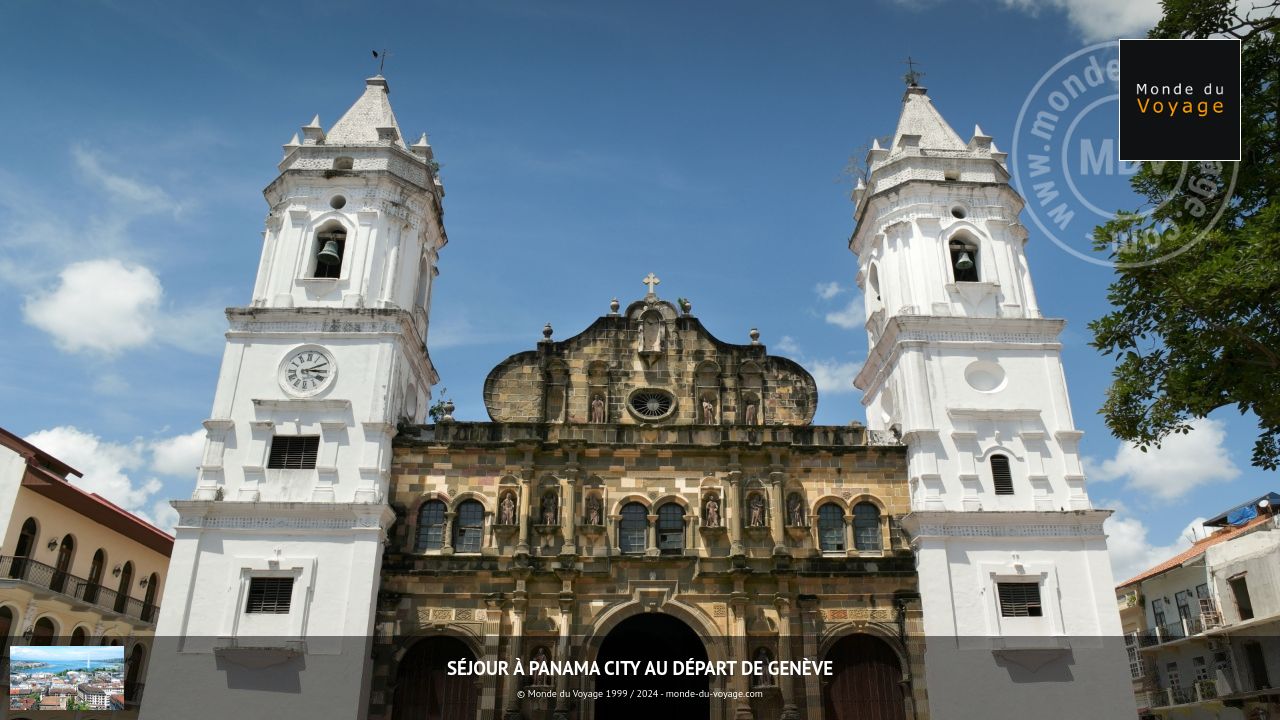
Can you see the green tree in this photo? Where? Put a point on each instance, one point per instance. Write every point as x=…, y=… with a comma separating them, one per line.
x=1200, y=330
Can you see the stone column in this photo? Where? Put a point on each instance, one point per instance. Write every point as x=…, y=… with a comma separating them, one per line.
x=777, y=518
x=511, y=683
x=741, y=682
x=446, y=542
x=569, y=511
x=809, y=629
x=652, y=547
x=522, y=548
x=562, y=650
x=849, y=548
x=730, y=510
x=785, y=680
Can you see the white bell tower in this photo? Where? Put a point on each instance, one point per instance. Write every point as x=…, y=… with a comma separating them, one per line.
x=1015, y=580
x=274, y=574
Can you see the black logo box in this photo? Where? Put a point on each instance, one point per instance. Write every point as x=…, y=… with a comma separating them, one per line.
x=1186, y=68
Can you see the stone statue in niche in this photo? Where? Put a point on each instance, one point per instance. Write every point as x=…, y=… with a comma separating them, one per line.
x=654, y=333
x=756, y=516
x=795, y=508
x=549, y=514
x=597, y=409
x=764, y=677
x=708, y=412
x=594, y=510
x=539, y=665
x=711, y=512
x=749, y=412
x=507, y=510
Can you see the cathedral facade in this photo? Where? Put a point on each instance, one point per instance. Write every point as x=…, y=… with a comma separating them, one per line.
x=648, y=491
x=643, y=490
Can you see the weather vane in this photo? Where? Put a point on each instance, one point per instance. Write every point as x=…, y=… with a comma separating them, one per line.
x=381, y=57
x=913, y=75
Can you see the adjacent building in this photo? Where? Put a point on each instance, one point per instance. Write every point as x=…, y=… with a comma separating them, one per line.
x=1202, y=628
x=76, y=569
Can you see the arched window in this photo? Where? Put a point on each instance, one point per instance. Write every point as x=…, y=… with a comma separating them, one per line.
x=122, y=595
x=1001, y=477
x=95, y=576
x=866, y=526
x=62, y=566
x=964, y=259
x=873, y=281
x=430, y=526
x=6, y=627
x=671, y=529
x=468, y=527
x=831, y=528
x=331, y=241
x=79, y=636
x=633, y=529
x=22, y=551
x=133, y=672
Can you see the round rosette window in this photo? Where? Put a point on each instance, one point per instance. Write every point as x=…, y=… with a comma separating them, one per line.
x=650, y=404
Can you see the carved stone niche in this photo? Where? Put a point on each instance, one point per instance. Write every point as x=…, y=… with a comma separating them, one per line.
x=712, y=514
x=755, y=518
x=593, y=511
x=653, y=335
x=507, y=519
x=796, y=516
x=556, y=393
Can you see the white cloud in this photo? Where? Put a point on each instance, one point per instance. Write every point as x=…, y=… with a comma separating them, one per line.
x=120, y=472
x=149, y=198
x=1180, y=464
x=1132, y=552
x=850, y=317
x=1098, y=20
x=178, y=455
x=107, y=466
x=833, y=377
x=100, y=305
x=787, y=345
x=828, y=290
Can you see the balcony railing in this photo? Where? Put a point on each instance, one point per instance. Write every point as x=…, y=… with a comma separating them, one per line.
x=1200, y=691
x=77, y=588
x=1181, y=628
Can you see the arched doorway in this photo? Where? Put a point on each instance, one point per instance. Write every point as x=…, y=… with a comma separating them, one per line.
x=132, y=674
x=6, y=627
x=644, y=638
x=42, y=632
x=95, y=576
x=22, y=551
x=424, y=688
x=62, y=566
x=867, y=684
x=122, y=594
x=149, y=602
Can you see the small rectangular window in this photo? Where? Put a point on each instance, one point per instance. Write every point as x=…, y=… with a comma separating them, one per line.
x=1001, y=477
x=269, y=595
x=1019, y=599
x=294, y=452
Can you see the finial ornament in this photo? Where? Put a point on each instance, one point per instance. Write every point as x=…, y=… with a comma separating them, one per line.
x=546, y=332
x=913, y=75
x=613, y=306
x=755, y=336
x=651, y=280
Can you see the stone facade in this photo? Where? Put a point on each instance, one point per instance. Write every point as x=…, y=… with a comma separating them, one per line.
x=556, y=566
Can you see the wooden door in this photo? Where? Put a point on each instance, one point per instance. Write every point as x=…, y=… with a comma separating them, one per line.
x=867, y=684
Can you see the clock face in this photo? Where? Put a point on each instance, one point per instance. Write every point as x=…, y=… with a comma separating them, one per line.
x=307, y=371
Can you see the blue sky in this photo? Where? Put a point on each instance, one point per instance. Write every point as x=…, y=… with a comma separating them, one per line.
x=582, y=146
x=67, y=654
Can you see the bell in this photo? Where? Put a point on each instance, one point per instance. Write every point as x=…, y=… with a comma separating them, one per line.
x=964, y=262
x=329, y=255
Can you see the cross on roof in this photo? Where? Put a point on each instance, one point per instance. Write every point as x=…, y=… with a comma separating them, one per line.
x=651, y=280
x=913, y=76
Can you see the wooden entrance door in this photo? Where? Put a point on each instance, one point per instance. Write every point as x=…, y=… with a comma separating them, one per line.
x=867, y=684
x=424, y=688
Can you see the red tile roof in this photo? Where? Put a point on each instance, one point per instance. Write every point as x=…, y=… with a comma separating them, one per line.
x=1196, y=550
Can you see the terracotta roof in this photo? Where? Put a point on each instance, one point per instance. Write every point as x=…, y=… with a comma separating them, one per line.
x=1196, y=550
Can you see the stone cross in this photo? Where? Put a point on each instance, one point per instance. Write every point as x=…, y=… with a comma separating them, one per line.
x=651, y=280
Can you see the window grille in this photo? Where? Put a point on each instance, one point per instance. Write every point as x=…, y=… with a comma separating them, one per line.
x=294, y=452
x=270, y=595
x=1019, y=599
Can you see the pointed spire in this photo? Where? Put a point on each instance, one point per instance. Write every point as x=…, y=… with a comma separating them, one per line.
x=292, y=145
x=875, y=144
x=977, y=131
x=312, y=133
x=920, y=124
x=370, y=120
x=422, y=148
